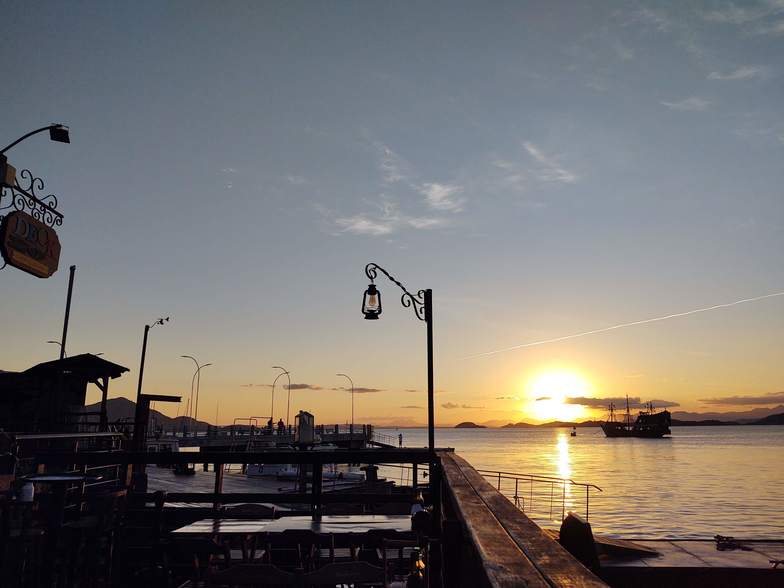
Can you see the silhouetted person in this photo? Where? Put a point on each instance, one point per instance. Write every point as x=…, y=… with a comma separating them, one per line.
x=281, y=427
x=400, y=440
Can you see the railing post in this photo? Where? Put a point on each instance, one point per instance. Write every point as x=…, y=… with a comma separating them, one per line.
x=516, y=497
x=499, y=481
x=587, y=498
x=563, y=502
x=552, y=486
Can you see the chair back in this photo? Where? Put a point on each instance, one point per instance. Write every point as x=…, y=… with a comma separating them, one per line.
x=253, y=575
x=352, y=572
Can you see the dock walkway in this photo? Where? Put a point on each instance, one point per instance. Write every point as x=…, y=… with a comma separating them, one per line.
x=511, y=548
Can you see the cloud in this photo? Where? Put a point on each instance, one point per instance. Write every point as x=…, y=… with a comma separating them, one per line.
x=763, y=18
x=296, y=180
x=442, y=196
x=651, y=18
x=692, y=104
x=623, y=52
x=745, y=72
x=360, y=389
x=467, y=406
x=771, y=398
x=507, y=398
x=393, y=167
x=388, y=220
x=542, y=398
x=413, y=406
x=410, y=390
x=619, y=401
x=549, y=169
x=450, y=405
x=302, y=387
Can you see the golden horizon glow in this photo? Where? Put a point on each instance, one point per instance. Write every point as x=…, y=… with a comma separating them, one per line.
x=548, y=391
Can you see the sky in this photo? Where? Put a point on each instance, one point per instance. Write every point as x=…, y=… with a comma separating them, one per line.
x=547, y=168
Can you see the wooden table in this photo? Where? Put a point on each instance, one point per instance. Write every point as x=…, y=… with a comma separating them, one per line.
x=327, y=524
x=342, y=524
x=225, y=527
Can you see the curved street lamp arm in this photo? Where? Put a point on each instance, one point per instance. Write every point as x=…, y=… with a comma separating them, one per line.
x=31, y=133
x=407, y=299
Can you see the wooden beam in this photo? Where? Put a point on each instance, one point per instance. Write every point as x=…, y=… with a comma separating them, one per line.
x=551, y=560
x=501, y=560
x=283, y=498
x=283, y=456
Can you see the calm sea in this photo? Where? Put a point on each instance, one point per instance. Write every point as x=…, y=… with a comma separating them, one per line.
x=700, y=482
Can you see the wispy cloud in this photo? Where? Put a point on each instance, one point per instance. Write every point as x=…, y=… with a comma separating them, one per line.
x=759, y=18
x=389, y=219
x=413, y=406
x=360, y=390
x=507, y=398
x=650, y=18
x=443, y=196
x=693, y=104
x=296, y=180
x=745, y=72
x=771, y=398
x=450, y=405
x=393, y=167
x=548, y=168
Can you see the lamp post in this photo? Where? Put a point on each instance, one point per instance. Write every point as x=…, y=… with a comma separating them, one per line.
x=272, y=408
x=147, y=328
x=422, y=303
x=288, y=402
x=352, y=400
x=57, y=132
x=197, y=378
x=62, y=349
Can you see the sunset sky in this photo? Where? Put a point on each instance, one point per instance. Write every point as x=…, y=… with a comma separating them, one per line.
x=547, y=168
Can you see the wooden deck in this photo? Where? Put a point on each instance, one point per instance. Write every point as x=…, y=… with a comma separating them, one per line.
x=511, y=549
x=698, y=563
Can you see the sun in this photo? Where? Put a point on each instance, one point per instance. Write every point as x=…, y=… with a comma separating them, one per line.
x=548, y=393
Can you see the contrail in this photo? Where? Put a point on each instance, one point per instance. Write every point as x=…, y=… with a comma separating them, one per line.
x=624, y=325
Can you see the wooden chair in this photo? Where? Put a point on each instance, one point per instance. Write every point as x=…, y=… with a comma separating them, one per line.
x=253, y=575
x=357, y=573
x=195, y=559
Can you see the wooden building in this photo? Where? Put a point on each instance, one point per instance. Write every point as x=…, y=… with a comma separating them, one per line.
x=50, y=397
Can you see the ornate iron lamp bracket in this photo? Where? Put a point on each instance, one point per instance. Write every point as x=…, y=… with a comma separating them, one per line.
x=415, y=301
x=27, y=196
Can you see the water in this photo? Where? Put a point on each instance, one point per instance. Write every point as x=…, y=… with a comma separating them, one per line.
x=700, y=482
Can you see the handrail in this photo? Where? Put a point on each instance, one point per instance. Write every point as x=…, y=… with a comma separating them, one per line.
x=512, y=475
x=519, y=500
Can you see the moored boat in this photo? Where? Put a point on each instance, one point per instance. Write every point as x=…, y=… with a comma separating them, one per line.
x=648, y=424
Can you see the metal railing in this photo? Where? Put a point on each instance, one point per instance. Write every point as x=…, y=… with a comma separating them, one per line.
x=390, y=440
x=544, y=493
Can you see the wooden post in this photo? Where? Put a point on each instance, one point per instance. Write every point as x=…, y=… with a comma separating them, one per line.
x=414, y=480
x=315, y=508
x=218, y=485
x=103, y=386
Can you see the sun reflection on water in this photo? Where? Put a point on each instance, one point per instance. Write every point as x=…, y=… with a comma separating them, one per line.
x=563, y=463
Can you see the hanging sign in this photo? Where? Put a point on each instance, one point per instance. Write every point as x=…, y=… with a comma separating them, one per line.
x=29, y=244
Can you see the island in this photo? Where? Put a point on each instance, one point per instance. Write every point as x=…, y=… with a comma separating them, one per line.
x=469, y=425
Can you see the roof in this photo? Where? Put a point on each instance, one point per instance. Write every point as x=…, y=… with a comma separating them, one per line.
x=88, y=365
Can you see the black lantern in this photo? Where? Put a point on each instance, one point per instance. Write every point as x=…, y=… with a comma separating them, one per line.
x=371, y=303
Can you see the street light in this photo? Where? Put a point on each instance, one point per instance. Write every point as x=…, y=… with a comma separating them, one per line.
x=138, y=441
x=63, y=353
x=272, y=408
x=352, y=400
x=197, y=378
x=422, y=303
x=57, y=132
x=288, y=402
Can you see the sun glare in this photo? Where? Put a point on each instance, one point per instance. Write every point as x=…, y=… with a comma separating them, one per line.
x=548, y=394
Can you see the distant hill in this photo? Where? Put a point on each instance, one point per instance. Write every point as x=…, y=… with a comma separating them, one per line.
x=740, y=417
x=552, y=425
x=122, y=409
x=469, y=425
x=705, y=423
x=774, y=419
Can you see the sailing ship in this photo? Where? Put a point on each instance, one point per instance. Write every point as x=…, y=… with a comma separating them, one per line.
x=648, y=424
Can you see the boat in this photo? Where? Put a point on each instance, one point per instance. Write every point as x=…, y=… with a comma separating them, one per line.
x=648, y=424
